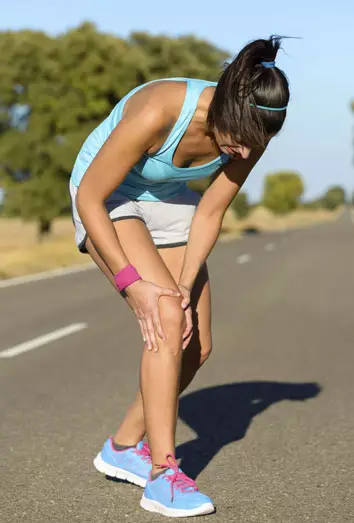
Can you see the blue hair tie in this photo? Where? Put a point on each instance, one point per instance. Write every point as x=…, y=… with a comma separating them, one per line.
x=269, y=108
x=268, y=65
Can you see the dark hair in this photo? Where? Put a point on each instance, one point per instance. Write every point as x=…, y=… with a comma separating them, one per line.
x=244, y=84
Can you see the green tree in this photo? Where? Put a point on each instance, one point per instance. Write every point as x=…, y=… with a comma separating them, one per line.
x=177, y=57
x=54, y=91
x=282, y=192
x=334, y=197
x=240, y=205
x=29, y=69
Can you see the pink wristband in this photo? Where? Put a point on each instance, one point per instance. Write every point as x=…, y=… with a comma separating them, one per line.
x=126, y=277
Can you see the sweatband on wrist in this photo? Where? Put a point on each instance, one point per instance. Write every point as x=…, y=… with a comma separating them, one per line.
x=126, y=277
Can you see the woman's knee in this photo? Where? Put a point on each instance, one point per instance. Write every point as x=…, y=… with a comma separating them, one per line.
x=172, y=317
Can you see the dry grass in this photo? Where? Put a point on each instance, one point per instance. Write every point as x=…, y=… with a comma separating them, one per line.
x=20, y=252
x=264, y=220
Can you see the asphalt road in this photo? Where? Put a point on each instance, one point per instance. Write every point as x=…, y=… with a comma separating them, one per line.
x=267, y=427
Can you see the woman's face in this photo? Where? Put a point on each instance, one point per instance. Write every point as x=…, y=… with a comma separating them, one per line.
x=234, y=149
x=230, y=147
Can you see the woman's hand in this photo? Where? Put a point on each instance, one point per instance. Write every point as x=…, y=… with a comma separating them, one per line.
x=186, y=306
x=142, y=297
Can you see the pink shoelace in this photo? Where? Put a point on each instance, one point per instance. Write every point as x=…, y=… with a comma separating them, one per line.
x=144, y=453
x=178, y=480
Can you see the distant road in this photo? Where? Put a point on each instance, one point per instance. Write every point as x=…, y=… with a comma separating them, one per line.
x=268, y=425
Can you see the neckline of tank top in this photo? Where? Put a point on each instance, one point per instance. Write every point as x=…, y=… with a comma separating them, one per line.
x=221, y=159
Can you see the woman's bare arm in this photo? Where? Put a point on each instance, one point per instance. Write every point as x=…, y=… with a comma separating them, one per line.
x=207, y=221
x=139, y=130
x=134, y=135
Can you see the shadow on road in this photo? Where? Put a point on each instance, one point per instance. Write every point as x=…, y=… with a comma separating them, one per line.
x=220, y=415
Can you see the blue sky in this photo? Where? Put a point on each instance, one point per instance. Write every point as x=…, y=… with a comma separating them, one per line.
x=317, y=140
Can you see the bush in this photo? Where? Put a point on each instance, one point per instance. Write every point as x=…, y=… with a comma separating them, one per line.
x=241, y=205
x=334, y=197
x=282, y=192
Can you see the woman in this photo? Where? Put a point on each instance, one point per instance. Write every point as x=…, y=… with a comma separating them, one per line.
x=151, y=236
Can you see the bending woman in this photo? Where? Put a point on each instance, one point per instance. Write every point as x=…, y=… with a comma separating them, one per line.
x=151, y=236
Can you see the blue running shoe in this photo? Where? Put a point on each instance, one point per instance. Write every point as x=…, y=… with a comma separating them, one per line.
x=174, y=494
x=133, y=464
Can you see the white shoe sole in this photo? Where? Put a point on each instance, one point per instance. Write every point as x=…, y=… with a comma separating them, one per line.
x=116, y=472
x=154, y=506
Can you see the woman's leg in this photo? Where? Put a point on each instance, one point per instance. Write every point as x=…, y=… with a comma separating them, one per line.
x=200, y=346
x=159, y=371
x=133, y=426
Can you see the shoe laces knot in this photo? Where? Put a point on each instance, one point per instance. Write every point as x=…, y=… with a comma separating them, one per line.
x=178, y=480
x=144, y=453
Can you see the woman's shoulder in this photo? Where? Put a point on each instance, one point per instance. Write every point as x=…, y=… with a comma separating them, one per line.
x=164, y=97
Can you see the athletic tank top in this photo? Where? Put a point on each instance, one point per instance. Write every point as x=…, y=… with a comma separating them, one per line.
x=154, y=177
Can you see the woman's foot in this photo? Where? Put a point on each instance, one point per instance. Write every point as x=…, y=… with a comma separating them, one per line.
x=174, y=494
x=132, y=464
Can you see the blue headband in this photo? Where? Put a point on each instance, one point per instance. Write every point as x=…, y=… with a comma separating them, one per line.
x=268, y=65
x=269, y=108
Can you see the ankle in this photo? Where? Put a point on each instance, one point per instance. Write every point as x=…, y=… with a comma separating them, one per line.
x=122, y=446
x=156, y=471
x=127, y=439
x=129, y=435
x=164, y=464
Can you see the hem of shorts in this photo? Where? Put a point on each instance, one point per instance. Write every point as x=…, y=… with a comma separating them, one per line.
x=82, y=247
x=132, y=217
x=170, y=245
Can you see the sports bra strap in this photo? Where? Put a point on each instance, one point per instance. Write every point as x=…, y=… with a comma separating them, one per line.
x=194, y=89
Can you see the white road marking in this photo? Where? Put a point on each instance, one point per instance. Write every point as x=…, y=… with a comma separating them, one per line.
x=244, y=258
x=269, y=247
x=45, y=275
x=352, y=215
x=42, y=340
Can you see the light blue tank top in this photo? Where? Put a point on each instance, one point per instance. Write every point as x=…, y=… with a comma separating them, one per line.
x=154, y=177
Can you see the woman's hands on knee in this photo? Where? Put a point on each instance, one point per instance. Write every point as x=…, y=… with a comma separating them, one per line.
x=142, y=297
x=186, y=306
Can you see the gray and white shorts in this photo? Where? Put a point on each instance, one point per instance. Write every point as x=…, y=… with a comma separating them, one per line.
x=168, y=221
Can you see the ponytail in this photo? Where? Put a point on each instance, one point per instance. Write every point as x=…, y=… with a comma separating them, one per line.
x=250, y=99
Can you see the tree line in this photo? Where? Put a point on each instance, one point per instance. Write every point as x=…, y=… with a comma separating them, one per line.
x=282, y=193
